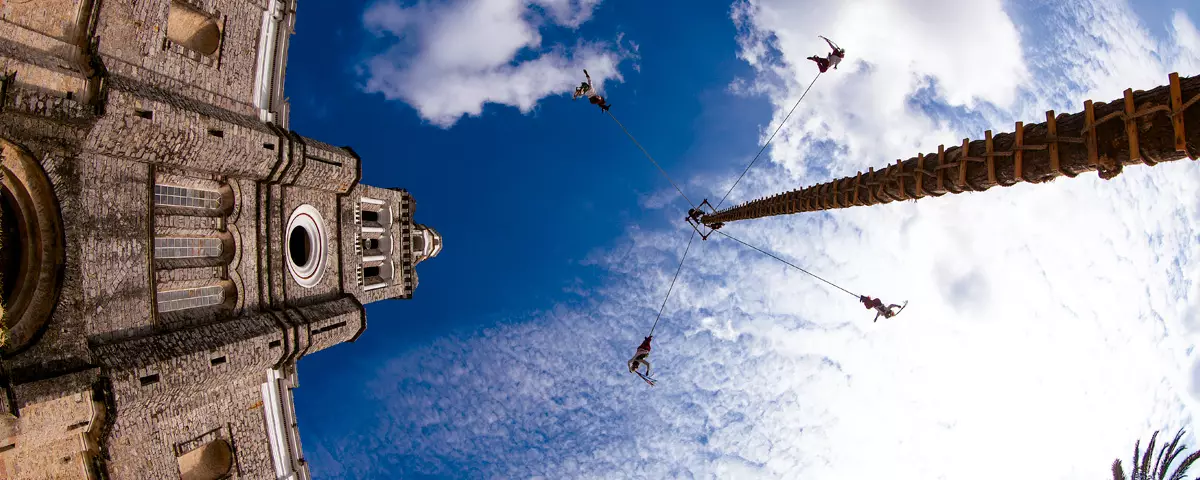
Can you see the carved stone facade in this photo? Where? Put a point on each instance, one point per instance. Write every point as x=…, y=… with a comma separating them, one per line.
x=170, y=247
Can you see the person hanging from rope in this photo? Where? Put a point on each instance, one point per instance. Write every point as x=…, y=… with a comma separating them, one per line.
x=639, y=358
x=694, y=214
x=874, y=303
x=594, y=98
x=832, y=60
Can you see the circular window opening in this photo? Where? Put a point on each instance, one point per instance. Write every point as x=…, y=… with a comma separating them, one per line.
x=299, y=245
x=11, y=254
x=306, y=247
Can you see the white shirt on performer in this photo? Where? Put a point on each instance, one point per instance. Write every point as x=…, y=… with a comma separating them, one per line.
x=834, y=59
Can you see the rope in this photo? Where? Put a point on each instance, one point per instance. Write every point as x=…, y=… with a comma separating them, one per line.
x=855, y=295
x=672, y=287
x=772, y=137
x=664, y=172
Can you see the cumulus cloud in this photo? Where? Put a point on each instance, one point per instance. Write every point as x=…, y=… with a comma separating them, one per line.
x=1048, y=327
x=449, y=59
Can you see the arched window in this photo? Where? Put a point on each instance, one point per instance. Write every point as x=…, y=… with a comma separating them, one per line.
x=193, y=29
x=210, y=461
x=369, y=216
x=173, y=196
x=174, y=247
x=31, y=245
x=188, y=298
x=419, y=244
x=378, y=276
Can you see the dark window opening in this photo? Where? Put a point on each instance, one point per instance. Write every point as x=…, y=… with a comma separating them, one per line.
x=149, y=379
x=275, y=344
x=146, y=114
x=371, y=272
x=70, y=95
x=269, y=146
x=217, y=361
x=370, y=216
x=77, y=426
x=216, y=133
x=298, y=246
x=329, y=327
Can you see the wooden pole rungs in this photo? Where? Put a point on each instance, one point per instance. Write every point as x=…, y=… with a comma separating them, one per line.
x=857, y=185
x=941, y=173
x=870, y=191
x=991, y=161
x=962, y=163
x=1089, y=126
x=1131, y=131
x=1177, y=113
x=1052, y=134
x=918, y=191
x=1018, y=150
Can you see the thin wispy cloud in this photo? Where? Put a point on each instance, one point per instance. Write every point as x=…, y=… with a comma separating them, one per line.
x=1048, y=325
x=449, y=59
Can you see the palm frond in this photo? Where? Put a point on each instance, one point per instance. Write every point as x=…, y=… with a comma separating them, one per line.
x=1171, y=451
x=1144, y=469
x=1118, y=472
x=1183, y=467
x=1137, y=455
x=1162, y=452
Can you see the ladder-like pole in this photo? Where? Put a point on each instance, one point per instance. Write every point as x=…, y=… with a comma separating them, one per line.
x=1144, y=127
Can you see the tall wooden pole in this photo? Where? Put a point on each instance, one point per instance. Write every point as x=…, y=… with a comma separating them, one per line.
x=1143, y=127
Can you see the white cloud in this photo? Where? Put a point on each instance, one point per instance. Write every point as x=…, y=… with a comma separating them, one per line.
x=893, y=48
x=449, y=59
x=1049, y=327
x=1187, y=40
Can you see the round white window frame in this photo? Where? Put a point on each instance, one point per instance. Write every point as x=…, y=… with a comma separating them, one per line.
x=311, y=273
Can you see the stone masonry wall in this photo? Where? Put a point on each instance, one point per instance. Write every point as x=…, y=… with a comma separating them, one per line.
x=63, y=344
x=325, y=203
x=147, y=443
x=191, y=396
x=243, y=267
x=171, y=388
x=54, y=18
x=325, y=167
x=132, y=35
x=106, y=373
x=114, y=224
x=353, y=257
x=55, y=434
x=182, y=359
x=154, y=129
x=330, y=323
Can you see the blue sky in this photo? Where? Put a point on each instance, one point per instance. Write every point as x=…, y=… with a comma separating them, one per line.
x=560, y=239
x=523, y=199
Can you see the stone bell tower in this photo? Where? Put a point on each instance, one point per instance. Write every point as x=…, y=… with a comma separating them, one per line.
x=170, y=247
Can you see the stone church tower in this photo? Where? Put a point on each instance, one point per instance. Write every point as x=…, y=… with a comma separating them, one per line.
x=170, y=247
